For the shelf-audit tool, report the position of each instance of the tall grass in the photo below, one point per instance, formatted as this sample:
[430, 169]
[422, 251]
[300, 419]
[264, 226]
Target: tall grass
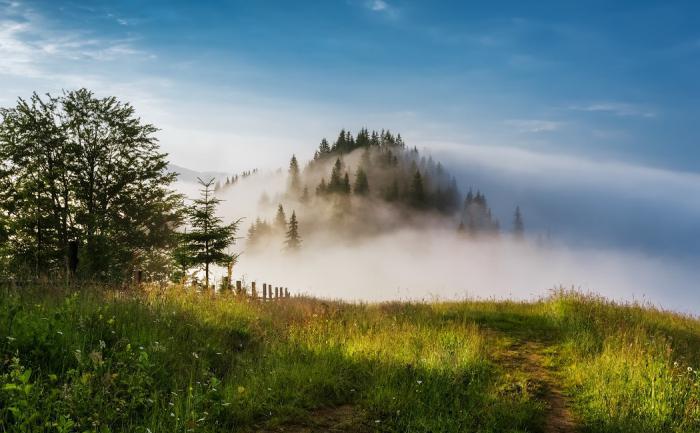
[180, 361]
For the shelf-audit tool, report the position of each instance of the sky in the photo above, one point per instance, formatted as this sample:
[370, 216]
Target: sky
[585, 113]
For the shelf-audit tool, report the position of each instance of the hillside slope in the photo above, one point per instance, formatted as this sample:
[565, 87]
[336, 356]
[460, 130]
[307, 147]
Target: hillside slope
[178, 361]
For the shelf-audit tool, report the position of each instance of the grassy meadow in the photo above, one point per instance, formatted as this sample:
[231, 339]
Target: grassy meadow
[177, 361]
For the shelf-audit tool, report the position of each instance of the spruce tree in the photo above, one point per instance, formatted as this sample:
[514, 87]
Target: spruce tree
[280, 219]
[346, 184]
[336, 182]
[322, 188]
[361, 186]
[294, 182]
[324, 148]
[293, 241]
[518, 225]
[416, 192]
[208, 237]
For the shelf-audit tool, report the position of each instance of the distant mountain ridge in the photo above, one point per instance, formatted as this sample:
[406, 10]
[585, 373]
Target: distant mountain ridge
[188, 175]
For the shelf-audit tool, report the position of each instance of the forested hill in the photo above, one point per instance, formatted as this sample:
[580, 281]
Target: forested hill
[356, 181]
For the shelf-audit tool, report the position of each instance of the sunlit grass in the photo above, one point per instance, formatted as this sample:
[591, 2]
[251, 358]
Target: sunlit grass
[182, 361]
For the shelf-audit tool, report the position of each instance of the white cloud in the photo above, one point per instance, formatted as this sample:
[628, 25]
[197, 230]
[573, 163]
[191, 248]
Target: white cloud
[622, 109]
[378, 5]
[31, 47]
[534, 125]
[555, 171]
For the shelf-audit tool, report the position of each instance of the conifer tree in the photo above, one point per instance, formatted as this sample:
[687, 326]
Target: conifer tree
[346, 184]
[336, 182]
[305, 195]
[208, 237]
[293, 241]
[294, 182]
[518, 225]
[322, 188]
[324, 148]
[416, 192]
[280, 218]
[361, 186]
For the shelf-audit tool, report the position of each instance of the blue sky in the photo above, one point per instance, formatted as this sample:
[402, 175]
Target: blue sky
[584, 113]
[578, 78]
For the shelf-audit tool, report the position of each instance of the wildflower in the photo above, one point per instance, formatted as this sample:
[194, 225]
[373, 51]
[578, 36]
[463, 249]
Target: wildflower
[241, 390]
[59, 332]
[377, 421]
[102, 344]
[195, 355]
[11, 338]
[172, 414]
[419, 382]
[690, 369]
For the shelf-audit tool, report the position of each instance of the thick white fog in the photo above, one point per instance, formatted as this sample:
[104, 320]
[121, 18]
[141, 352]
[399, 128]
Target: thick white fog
[431, 261]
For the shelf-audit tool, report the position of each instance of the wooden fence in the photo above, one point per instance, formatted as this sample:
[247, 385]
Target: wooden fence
[269, 292]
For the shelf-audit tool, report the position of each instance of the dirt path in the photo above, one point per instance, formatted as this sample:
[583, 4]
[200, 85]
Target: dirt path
[526, 356]
[341, 419]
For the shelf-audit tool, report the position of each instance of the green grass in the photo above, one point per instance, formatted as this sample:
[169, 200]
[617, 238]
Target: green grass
[179, 362]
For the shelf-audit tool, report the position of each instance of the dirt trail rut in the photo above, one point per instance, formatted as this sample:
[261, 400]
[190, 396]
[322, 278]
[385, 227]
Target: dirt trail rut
[526, 356]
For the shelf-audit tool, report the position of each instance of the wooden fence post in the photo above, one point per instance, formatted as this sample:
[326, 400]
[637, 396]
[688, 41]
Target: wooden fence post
[277, 292]
[264, 291]
[238, 287]
[253, 292]
[286, 292]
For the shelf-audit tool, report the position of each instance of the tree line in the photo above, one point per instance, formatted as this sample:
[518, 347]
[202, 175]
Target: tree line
[85, 194]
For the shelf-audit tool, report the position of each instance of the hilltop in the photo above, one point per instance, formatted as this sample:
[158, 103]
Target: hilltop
[177, 360]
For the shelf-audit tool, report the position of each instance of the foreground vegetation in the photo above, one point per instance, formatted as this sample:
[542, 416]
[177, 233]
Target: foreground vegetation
[176, 361]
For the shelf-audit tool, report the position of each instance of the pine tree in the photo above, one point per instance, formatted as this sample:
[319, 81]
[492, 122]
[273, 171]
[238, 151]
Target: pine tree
[322, 188]
[518, 225]
[416, 192]
[293, 241]
[392, 193]
[208, 237]
[346, 184]
[361, 186]
[280, 219]
[294, 182]
[324, 148]
[336, 182]
[305, 196]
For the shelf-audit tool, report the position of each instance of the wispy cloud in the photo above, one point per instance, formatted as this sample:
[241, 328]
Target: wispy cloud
[382, 7]
[30, 46]
[378, 5]
[622, 109]
[534, 125]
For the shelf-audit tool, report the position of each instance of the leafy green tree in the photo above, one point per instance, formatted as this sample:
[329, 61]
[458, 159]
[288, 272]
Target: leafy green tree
[86, 172]
[361, 186]
[208, 238]
[293, 241]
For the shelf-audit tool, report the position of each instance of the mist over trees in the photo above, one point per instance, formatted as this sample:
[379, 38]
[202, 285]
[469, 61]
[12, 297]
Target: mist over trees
[85, 193]
[351, 176]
